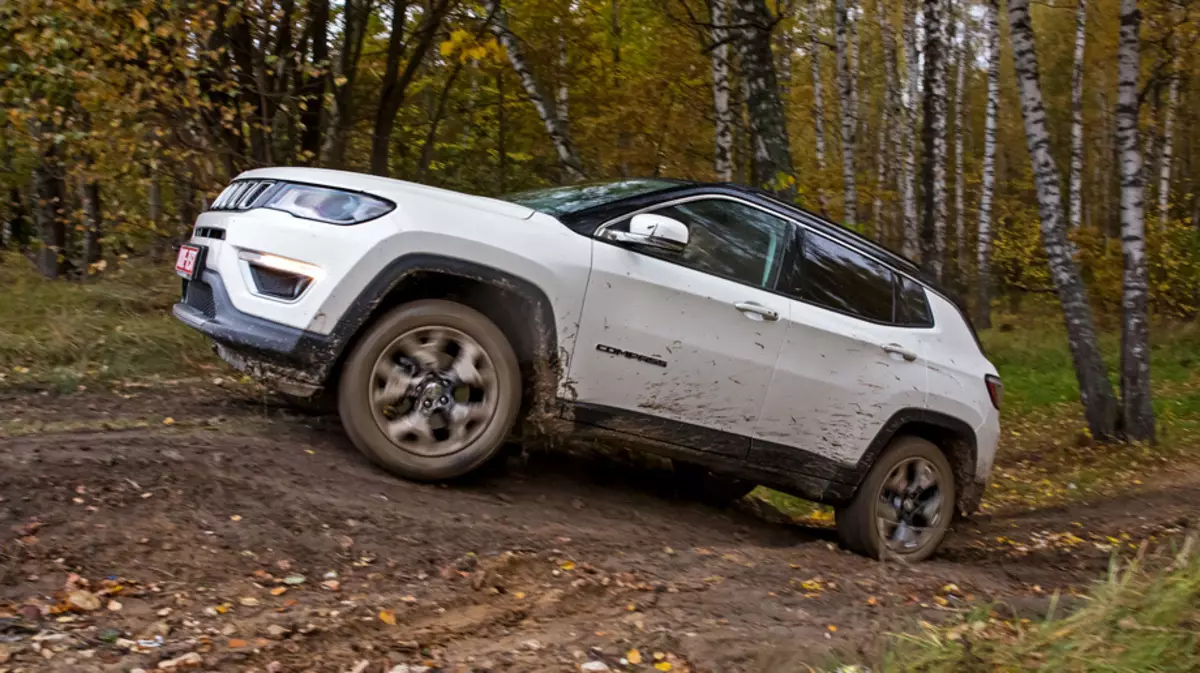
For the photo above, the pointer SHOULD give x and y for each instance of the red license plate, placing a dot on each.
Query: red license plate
(188, 263)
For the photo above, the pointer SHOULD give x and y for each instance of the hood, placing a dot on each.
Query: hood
(394, 190)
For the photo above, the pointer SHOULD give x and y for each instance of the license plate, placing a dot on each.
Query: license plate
(189, 263)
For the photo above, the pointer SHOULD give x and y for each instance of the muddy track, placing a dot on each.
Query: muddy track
(538, 565)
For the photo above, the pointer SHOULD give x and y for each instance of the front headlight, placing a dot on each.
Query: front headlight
(326, 205)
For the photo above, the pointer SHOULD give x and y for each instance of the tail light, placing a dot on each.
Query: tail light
(995, 390)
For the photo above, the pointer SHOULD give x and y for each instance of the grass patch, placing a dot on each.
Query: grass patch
(119, 326)
(1135, 620)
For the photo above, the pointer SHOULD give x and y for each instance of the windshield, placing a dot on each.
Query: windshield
(558, 201)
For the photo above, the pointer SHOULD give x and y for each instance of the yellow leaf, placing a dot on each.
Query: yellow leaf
(519, 595)
(278, 591)
(139, 20)
(634, 656)
(168, 421)
(663, 666)
(387, 617)
(832, 628)
(568, 565)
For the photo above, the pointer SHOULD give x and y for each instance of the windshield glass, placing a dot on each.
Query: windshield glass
(558, 201)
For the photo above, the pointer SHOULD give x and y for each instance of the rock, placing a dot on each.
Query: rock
(274, 667)
(531, 645)
(594, 667)
(189, 660)
(331, 575)
(277, 631)
(83, 600)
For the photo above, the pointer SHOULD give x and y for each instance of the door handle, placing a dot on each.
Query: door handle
(756, 311)
(897, 349)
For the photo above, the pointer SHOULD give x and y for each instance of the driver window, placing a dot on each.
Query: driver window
(727, 239)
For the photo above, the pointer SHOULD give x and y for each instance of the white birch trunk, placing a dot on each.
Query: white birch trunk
(846, 100)
(562, 100)
(960, 109)
(1168, 153)
(1135, 335)
(818, 108)
(1075, 186)
(987, 182)
(556, 128)
(933, 140)
(1095, 390)
(910, 246)
(722, 114)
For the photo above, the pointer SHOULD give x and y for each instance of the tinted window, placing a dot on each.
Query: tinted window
(841, 279)
(912, 309)
(728, 239)
(574, 198)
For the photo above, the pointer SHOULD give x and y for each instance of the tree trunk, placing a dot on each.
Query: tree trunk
(556, 128)
(1095, 390)
(439, 111)
(1075, 185)
(93, 218)
(933, 141)
(501, 130)
(983, 310)
(772, 155)
(1135, 335)
(910, 245)
(48, 203)
(313, 87)
(1168, 152)
(357, 13)
(960, 141)
(562, 98)
(818, 107)
(722, 114)
(847, 100)
(887, 117)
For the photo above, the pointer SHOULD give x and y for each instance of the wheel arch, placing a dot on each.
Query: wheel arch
(954, 437)
(518, 307)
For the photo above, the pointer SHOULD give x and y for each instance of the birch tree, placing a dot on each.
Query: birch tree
(960, 66)
(818, 104)
(933, 140)
(887, 115)
(1135, 335)
(722, 114)
(772, 157)
(556, 128)
(1095, 390)
(1075, 185)
(983, 251)
(910, 245)
(1168, 152)
(849, 109)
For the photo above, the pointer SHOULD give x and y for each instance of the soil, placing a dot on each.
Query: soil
(252, 538)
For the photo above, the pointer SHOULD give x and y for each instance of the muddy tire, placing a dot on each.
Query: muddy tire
(697, 482)
(903, 508)
(431, 392)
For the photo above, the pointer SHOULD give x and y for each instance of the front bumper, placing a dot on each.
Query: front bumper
(292, 360)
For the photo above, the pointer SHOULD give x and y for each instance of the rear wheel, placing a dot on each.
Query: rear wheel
(903, 508)
(432, 391)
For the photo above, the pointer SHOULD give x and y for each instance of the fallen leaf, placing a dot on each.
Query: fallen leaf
(278, 591)
(567, 565)
(634, 656)
(387, 617)
(168, 421)
(83, 601)
(236, 517)
(294, 579)
(248, 601)
(519, 595)
(832, 628)
(663, 666)
(114, 606)
(237, 643)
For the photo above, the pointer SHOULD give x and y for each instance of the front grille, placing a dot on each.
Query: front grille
(198, 294)
(242, 194)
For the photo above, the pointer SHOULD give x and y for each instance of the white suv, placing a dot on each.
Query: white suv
(750, 341)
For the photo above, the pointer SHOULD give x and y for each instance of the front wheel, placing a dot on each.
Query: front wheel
(431, 392)
(903, 508)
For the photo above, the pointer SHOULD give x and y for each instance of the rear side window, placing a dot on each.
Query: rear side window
(912, 307)
(846, 281)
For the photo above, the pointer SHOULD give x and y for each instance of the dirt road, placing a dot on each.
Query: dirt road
(250, 538)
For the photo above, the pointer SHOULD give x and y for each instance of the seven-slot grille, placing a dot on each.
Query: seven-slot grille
(242, 194)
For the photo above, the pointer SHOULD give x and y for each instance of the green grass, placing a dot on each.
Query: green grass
(119, 326)
(1135, 620)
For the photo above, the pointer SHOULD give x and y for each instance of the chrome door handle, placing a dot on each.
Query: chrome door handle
(756, 311)
(897, 349)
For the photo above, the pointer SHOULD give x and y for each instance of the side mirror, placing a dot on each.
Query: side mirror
(655, 231)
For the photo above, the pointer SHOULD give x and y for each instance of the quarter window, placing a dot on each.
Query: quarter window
(844, 280)
(727, 239)
(912, 308)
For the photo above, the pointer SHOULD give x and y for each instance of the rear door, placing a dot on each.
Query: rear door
(680, 347)
(852, 358)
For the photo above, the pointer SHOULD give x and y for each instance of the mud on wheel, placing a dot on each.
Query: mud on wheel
(903, 508)
(432, 390)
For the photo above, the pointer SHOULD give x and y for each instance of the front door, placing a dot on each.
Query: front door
(680, 346)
